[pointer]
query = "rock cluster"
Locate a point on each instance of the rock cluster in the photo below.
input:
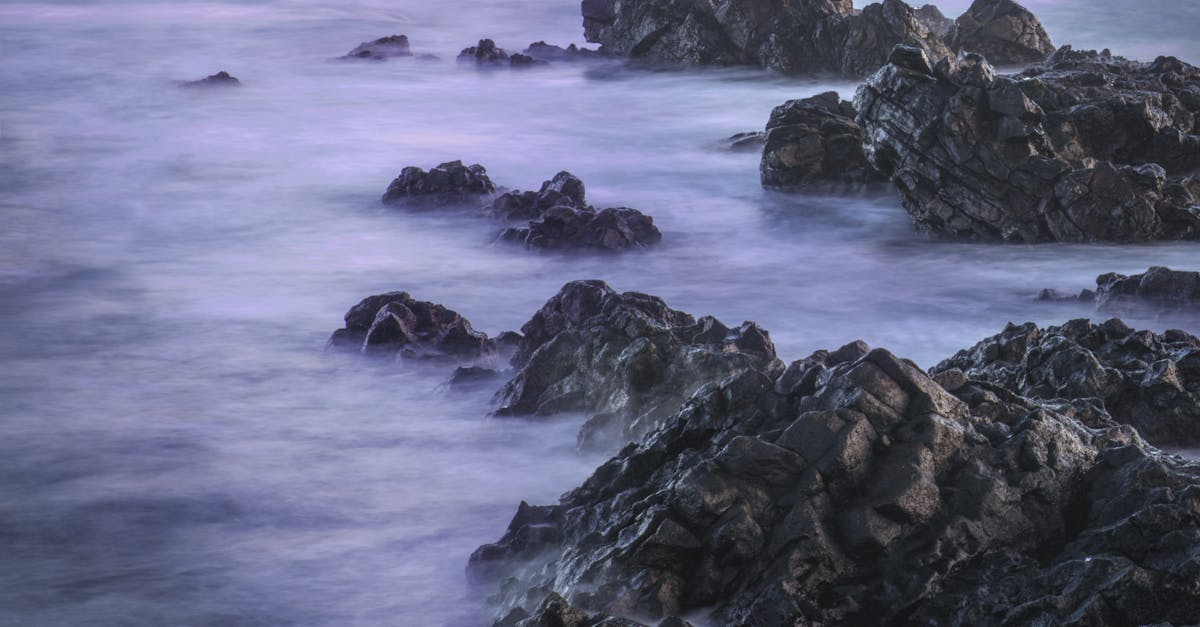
(815, 142)
(822, 35)
(397, 324)
(543, 51)
(449, 184)
(626, 358)
(1084, 146)
(486, 54)
(1158, 289)
(1147, 380)
(381, 49)
(855, 489)
(220, 79)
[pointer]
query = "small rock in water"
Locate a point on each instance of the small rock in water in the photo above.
(550, 53)
(448, 184)
(220, 79)
(397, 324)
(487, 54)
(1157, 290)
(381, 49)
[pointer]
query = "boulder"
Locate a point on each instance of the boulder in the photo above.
(1156, 290)
(220, 79)
(1003, 31)
(396, 324)
(564, 190)
(853, 488)
(746, 141)
(1082, 147)
(626, 359)
(1147, 380)
(814, 143)
(486, 54)
(381, 49)
(449, 184)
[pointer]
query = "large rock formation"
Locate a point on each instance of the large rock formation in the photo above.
(795, 36)
(1084, 146)
(628, 359)
(855, 489)
(449, 184)
(397, 324)
(1158, 290)
(813, 143)
(1147, 380)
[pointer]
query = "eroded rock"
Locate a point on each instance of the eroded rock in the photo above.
(397, 324)
(814, 143)
(1157, 290)
(448, 184)
(392, 46)
(1003, 31)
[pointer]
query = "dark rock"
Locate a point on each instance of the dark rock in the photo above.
(749, 141)
(1081, 147)
(568, 228)
(381, 49)
(220, 79)
(1003, 31)
(862, 42)
(626, 358)
(866, 494)
(813, 143)
(1149, 381)
(550, 53)
(396, 324)
(523, 60)
(486, 54)
(934, 21)
(450, 183)
(1157, 290)
(564, 190)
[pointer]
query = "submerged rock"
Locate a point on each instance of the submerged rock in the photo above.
(627, 359)
(748, 141)
(487, 54)
(1003, 31)
(543, 51)
(1147, 380)
(814, 143)
(855, 489)
(381, 49)
(220, 79)
(564, 190)
(1082, 147)
(1158, 289)
(397, 324)
(450, 183)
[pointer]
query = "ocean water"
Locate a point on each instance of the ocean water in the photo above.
(177, 447)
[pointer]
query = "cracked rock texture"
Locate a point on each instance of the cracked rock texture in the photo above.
(1084, 146)
(815, 143)
(1148, 380)
(397, 324)
(1002, 31)
(1158, 290)
(449, 184)
(855, 489)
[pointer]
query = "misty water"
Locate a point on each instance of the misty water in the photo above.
(178, 448)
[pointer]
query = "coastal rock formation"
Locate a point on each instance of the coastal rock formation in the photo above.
(564, 190)
(397, 324)
(381, 49)
(220, 79)
(486, 54)
(1158, 289)
(821, 35)
(1084, 146)
(856, 489)
(1147, 380)
(628, 359)
(543, 51)
(815, 142)
(450, 183)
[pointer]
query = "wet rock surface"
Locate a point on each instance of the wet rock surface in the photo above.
(220, 79)
(487, 54)
(1158, 289)
(1003, 31)
(397, 324)
(815, 143)
(1084, 146)
(626, 358)
(543, 51)
(448, 184)
(855, 489)
(1147, 380)
(392, 46)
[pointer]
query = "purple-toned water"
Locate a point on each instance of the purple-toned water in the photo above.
(177, 449)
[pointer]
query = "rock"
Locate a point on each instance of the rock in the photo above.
(397, 324)
(627, 359)
(543, 51)
(748, 141)
(1003, 31)
(450, 183)
(220, 79)
(486, 54)
(1082, 147)
(1146, 380)
(381, 49)
(564, 190)
(1158, 290)
(815, 143)
(934, 21)
(861, 42)
(562, 228)
(863, 492)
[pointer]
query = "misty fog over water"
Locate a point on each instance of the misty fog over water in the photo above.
(177, 446)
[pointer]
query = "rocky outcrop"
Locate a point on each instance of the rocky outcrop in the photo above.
(397, 324)
(855, 489)
(564, 190)
(746, 141)
(815, 143)
(220, 79)
(449, 184)
(1082, 147)
(1003, 31)
(543, 51)
(821, 35)
(1147, 380)
(383, 48)
(627, 359)
(1156, 290)
(486, 54)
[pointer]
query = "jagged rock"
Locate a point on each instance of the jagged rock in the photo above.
(543, 51)
(484, 53)
(814, 142)
(450, 183)
(1158, 289)
(628, 359)
(821, 35)
(397, 324)
(564, 190)
(748, 141)
(381, 49)
(855, 489)
(1003, 31)
(220, 79)
(1149, 381)
(561, 228)
(1084, 146)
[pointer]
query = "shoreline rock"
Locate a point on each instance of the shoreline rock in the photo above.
(486, 54)
(392, 46)
(448, 184)
(814, 143)
(1158, 290)
(396, 324)
(220, 79)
